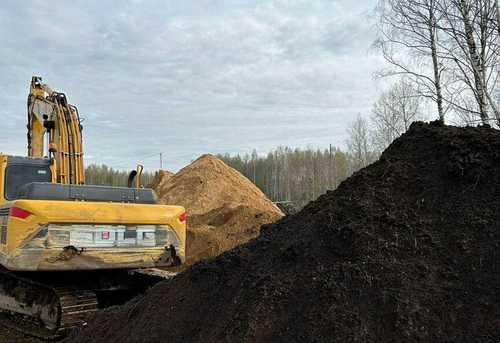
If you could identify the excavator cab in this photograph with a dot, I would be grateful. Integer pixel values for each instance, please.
(19, 171)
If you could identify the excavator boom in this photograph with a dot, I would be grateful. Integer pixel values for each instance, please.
(55, 130)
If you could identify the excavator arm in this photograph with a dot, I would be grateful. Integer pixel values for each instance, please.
(55, 130)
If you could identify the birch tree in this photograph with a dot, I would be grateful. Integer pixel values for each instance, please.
(471, 45)
(409, 41)
(497, 8)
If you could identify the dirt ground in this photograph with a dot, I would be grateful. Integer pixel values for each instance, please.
(405, 250)
(11, 336)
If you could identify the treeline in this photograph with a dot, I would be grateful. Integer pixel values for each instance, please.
(288, 175)
(103, 175)
(294, 175)
(285, 174)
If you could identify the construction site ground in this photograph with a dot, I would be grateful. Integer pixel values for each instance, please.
(11, 336)
(405, 250)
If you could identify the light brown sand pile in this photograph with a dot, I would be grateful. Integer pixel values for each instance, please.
(161, 177)
(224, 208)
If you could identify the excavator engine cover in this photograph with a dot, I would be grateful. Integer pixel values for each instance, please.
(51, 191)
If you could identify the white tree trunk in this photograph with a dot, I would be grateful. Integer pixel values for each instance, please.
(477, 65)
(435, 64)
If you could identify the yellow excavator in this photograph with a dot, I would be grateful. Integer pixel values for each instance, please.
(67, 248)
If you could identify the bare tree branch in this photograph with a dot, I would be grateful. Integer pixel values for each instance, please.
(394, 111)
(411, 25)
(472, 45)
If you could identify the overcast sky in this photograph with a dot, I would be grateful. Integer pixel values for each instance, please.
(191, 77)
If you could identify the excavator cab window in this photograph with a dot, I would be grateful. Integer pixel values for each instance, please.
(17, 175)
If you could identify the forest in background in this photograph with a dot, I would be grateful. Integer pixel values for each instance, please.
(289, 175)
(294, 175)
(102, 175)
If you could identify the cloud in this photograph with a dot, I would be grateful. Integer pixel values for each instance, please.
(186, 78)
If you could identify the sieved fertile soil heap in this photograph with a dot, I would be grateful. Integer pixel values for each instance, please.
(224, 208)
(160, 178)
(407, 249)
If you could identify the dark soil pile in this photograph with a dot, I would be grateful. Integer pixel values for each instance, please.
(11, 336)
(407, 249)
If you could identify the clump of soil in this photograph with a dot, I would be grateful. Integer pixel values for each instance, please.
(224, 208)
(407, 249)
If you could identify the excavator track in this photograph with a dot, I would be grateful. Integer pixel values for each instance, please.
(42, 310)
(77, 306)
